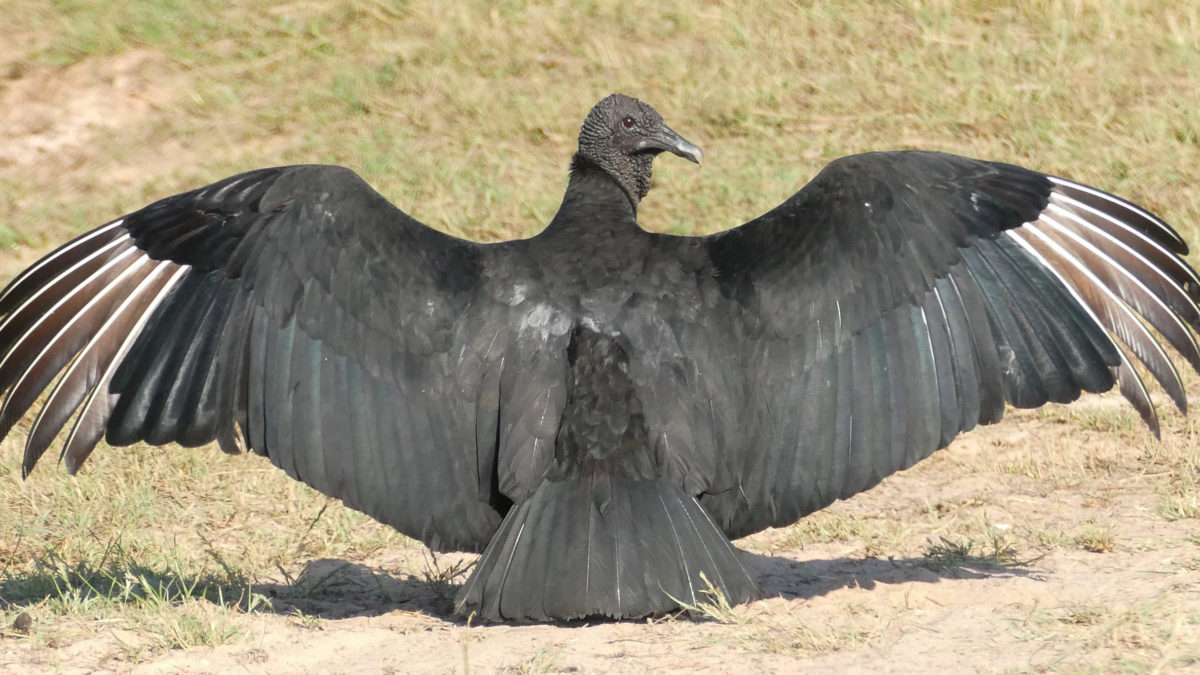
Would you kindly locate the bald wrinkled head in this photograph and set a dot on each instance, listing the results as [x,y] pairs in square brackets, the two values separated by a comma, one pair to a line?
[622,136]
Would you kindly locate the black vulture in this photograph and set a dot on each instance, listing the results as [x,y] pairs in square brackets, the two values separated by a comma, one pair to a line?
[598,409]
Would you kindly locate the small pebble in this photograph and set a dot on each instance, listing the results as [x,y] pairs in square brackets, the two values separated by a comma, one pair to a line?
[23,623]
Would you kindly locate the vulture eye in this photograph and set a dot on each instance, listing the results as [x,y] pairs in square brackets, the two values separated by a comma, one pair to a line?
[628,123]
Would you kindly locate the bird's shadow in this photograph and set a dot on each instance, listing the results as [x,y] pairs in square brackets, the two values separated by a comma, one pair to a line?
[785,577]
[330,588]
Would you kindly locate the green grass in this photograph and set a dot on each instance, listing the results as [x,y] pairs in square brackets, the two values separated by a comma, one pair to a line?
[167,608]
[465,115]
[953,553]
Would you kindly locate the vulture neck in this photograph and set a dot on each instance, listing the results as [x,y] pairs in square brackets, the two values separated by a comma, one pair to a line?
[596,204]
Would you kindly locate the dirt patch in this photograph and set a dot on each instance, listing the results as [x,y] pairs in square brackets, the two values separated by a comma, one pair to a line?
[53,116]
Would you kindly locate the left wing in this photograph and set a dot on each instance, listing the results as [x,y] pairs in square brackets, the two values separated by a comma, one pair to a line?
[901,298]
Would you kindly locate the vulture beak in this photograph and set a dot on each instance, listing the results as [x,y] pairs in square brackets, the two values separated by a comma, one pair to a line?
[665,139]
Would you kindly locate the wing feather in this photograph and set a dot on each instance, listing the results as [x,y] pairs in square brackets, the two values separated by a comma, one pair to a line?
[309,405]
[90,423]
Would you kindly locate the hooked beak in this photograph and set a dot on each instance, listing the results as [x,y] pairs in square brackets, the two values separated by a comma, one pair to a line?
[667,140]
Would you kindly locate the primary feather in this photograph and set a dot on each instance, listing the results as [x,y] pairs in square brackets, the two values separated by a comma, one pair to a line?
[598,409]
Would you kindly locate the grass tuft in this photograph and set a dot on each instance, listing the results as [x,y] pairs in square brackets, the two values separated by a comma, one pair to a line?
[445,577]
[1096,540]
[715,606]
[949,553]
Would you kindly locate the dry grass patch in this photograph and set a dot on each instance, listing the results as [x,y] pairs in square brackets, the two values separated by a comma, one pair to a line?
[1154,635]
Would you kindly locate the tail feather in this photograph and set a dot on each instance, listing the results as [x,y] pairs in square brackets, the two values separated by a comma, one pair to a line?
[604,545]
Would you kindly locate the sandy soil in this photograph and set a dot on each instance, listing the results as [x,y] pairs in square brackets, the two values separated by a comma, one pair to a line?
[879,600]
[842,606]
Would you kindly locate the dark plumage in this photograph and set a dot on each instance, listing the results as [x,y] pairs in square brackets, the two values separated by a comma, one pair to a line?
[598,408]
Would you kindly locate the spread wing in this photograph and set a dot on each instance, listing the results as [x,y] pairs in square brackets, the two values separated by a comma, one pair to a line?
[296,311]
[902,298]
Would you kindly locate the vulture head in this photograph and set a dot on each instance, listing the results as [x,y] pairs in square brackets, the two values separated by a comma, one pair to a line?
[622,136]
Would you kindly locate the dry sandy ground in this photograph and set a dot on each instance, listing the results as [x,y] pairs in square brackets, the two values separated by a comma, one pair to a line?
[874,599]
[831,607]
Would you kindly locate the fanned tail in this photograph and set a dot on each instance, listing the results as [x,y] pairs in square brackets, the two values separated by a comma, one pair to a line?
[605,545]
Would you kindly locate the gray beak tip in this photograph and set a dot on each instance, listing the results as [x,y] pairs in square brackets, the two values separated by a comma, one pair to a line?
[667,140]
[687,150]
